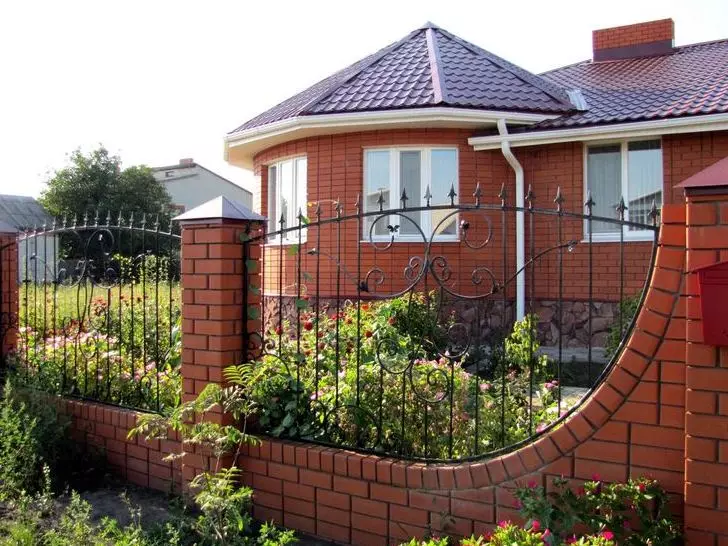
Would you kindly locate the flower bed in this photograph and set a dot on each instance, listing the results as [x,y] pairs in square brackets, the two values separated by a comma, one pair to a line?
[394,377]
[121,345]
[596,514]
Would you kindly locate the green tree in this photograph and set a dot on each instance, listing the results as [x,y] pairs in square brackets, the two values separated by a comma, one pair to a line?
[97,182]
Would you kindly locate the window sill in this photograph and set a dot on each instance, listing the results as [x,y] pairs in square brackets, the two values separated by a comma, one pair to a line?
[287,242]
[614,238]
[409,241]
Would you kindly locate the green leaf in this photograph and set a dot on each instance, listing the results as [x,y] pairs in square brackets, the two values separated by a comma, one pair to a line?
[254,290]
[251,265]
[245,237]
[301,304]
[253,312]
[287,421]
[292,250]
[305,220]
[307,276]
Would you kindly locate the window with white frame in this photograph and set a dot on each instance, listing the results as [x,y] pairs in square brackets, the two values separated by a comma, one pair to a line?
[629,169]
[390,171]
[286,196]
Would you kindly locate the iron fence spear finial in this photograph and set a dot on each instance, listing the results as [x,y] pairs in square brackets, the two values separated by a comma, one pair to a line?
[559,199]
[589,203]
[452,194]
[530,196]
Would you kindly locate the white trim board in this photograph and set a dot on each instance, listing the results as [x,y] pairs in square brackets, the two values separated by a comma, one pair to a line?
[245,144]
[654,128]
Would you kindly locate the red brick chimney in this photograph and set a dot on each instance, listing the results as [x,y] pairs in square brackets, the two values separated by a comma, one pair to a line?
[639,40]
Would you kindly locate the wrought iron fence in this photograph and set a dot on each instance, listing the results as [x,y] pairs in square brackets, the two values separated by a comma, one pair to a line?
[99,310]
[426,333]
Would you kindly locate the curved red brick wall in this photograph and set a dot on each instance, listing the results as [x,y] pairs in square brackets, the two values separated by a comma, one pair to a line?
[633,425]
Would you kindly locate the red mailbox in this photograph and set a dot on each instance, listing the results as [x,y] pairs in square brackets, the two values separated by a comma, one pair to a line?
[713,281]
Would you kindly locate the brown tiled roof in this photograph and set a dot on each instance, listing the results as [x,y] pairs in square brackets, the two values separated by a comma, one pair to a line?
[692,80]
[429,67]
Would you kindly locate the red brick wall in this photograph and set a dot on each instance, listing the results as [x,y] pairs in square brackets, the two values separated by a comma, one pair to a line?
[632,426]
[9,295]
[135,459]
[335,171]
[628,35]
[706,424]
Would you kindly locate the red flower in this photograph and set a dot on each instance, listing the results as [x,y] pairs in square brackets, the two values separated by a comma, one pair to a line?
[365,307]
[321,346]
[642,487]
[503,524]
[279,330]
[535,526]
[368,333]
[596,477]
[607,534]
[392,321]
[308,325]
[532,484]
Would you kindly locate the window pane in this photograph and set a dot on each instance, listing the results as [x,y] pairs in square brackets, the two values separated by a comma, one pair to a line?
[604,179]
[644,167]
[286,189]
[444,170]
[301,175]
[376,180]
[273,214]
[410,180]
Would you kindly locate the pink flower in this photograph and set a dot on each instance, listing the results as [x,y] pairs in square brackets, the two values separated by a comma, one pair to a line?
[485,387]
[517,504]
[503,524]
[607,535]
[546,534]
[532,484]
[541,427]
[535,526]
[626,525]
[596,477]
[571,539]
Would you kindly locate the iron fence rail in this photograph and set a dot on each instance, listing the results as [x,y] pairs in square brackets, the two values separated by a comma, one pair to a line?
[449,390]
[99,310]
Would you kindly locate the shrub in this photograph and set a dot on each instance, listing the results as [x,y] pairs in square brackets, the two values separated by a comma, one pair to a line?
[33,437]
[223,504]
[635,513]
[383,376]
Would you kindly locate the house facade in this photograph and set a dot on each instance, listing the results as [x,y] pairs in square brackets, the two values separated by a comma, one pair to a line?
[189,184]
[433,113]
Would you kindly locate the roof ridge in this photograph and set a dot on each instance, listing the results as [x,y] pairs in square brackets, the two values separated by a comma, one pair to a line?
[433,53]
[520,73]
[375,58]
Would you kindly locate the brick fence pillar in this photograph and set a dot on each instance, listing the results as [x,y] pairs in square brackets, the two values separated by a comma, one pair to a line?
[706,377]
[8,292]
[214,293]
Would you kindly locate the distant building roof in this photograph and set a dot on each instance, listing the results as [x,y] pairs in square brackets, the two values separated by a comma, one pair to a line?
[23,212]
[428,67]
[160,173]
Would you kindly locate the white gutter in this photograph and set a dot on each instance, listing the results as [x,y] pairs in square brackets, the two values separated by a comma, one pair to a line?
[520,220]
[688,124]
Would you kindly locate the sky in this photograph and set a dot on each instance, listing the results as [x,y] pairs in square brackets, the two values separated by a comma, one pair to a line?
[155,81]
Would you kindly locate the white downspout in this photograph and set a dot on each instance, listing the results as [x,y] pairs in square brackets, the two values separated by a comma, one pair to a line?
[520,220]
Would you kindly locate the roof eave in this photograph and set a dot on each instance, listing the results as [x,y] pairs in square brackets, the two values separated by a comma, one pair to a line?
[249,142]
[687,124]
